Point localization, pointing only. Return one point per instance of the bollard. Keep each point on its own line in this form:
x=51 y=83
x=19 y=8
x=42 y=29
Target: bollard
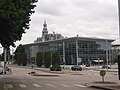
x=9 y=71
x=119 y=67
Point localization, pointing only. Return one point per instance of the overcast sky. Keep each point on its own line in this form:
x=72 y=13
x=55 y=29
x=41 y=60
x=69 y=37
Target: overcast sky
x=87 y=18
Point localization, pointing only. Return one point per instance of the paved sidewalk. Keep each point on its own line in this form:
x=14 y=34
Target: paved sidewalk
x=105 y=85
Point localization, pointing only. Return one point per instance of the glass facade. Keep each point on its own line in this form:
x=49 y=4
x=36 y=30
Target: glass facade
x=72 y=50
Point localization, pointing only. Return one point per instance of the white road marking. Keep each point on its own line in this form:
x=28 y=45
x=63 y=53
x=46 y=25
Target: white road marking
x=96 y=74
x=79 y=85
x=10 y=85
x=65 y=85
x=83 y=73
x=50 y=85
x=7 y=86
x=36 y=85
x=90 y=74
x=22 y=85
x=110 y=75
x=91 y=70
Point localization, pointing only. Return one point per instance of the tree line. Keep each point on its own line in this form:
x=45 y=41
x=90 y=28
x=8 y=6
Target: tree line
x=47 y=58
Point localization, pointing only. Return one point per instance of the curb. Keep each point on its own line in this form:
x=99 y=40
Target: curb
x=106 y=70
x=46 y=75
x=55 y=72
x=36 y=74
x=106 y=86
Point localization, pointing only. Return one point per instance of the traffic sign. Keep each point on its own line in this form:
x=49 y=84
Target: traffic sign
x=102 y=73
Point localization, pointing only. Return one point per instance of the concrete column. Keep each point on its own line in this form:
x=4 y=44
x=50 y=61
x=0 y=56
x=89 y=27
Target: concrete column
x=107 y=53
x=64 y=53
x=77 y=51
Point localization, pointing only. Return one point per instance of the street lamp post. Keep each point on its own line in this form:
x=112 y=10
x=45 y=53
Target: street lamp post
x=4 y=71
x=107 y=54
x=12 y=55
x=77 y=50
x=51 y=55
x=51 y=59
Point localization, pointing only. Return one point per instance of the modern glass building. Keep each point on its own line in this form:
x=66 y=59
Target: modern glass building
x=72 y=50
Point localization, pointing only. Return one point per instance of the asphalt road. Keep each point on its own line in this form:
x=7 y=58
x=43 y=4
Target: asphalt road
x=21 y=80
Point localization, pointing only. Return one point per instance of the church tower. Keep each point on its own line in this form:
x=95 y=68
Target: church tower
x=45 y=31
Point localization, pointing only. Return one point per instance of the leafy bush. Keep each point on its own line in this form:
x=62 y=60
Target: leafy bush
x=24 y=59
x=39 y=59
x=56 y=58
x=21 y=59
x=18 y=59
x=47 y=59
x=55 y=67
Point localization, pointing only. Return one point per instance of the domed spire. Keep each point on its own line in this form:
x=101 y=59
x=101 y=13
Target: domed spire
x=45 y=31
x=45 y=24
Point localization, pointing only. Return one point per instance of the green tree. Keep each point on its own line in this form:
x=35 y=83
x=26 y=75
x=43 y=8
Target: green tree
x=39 y=59
x=19 y=50
x=18 y=59
x=14 y=19
x=47 y=59
x=24 y=59
x=1 y=57
x=20 y=56
x=56 y=58
x=21 y=59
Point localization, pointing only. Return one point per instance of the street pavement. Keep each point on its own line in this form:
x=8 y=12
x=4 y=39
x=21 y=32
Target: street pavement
x=21 y=80
x=107 y=85
x=57 y=80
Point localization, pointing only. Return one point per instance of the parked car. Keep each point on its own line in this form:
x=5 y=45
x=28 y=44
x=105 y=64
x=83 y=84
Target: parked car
x=2 y=68
x=76 y=68
x=105 y=66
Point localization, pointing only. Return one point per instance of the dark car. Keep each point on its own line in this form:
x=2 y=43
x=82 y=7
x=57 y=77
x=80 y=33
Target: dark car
x=105 y=66
x=76 y=68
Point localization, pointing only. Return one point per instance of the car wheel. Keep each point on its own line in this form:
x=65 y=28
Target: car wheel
x=1 y=72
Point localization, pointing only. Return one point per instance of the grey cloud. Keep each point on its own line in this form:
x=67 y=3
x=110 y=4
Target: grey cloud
x=50 y=7
x=91 y=18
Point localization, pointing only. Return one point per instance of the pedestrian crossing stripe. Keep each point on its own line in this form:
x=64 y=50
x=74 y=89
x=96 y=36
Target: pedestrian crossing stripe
x=79 y=85
x=50 y=85
x=22 y=85
x=65 y=85
x=10 y=85
x=90 y=74
x=7 y=86
x=36 y=85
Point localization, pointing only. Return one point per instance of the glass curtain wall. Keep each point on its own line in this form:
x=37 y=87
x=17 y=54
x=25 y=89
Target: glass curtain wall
x=88 y=50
